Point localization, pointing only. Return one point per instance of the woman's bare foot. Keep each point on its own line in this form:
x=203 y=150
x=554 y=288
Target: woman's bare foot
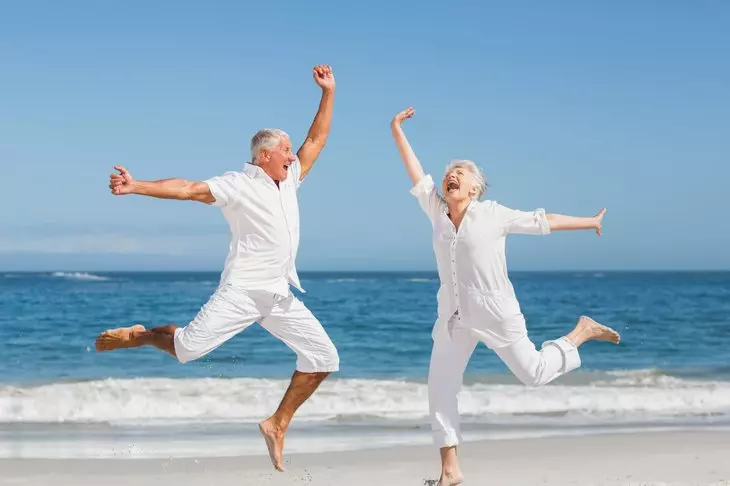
x=274 y=438
x=450 y=470
x=450 y=478
x=590 y=330
x=123 y=337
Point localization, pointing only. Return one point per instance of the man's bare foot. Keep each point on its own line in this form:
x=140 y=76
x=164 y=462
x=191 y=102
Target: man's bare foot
x=122 y=337
x=274 y=438
x=589 y=330
x=450 y=478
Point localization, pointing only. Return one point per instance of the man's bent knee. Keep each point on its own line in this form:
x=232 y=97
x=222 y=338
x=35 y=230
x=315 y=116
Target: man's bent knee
x=331 y=362
x=185 y=349
x=326 y=361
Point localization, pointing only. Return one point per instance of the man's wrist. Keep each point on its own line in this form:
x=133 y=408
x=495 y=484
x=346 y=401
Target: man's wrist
x=135 y=187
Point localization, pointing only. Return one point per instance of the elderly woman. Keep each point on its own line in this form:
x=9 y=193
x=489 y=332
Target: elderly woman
x=476 y=301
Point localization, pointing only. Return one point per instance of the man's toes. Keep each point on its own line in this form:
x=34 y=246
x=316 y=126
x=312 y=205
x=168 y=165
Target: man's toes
x=608 y=334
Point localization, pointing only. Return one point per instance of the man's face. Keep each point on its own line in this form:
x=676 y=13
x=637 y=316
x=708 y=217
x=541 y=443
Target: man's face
x=276 y=161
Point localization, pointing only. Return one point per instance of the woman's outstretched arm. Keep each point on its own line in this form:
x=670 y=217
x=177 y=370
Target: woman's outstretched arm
x=559 y=222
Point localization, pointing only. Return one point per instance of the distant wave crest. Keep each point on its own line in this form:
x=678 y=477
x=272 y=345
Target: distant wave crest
x=80 y=276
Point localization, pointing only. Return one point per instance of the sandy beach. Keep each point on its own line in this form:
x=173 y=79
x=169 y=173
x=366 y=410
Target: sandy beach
x=661 y=458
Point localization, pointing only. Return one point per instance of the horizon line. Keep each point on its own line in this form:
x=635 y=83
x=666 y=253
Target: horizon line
x=568 y=270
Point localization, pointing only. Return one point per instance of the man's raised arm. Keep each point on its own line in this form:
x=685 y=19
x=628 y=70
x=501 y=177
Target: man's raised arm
x=123 y=183
x=320 y=129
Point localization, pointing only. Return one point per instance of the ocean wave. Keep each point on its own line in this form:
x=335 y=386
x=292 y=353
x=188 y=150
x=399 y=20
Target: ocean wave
x=192 y=282
x=151 y=400
x=651 y=377
x=80 y=276
x=421 y=280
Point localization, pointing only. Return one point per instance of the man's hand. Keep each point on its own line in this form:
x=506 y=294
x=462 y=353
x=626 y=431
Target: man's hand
x=121 y=183
x=403 y=115
x=323 y=77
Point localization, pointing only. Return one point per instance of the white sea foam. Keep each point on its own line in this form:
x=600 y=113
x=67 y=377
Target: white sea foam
x=192 y=282
x=149 y=400
x=80 y=276
x=347 y=280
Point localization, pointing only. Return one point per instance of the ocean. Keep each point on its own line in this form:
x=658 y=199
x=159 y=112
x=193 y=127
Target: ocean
x=58 y=398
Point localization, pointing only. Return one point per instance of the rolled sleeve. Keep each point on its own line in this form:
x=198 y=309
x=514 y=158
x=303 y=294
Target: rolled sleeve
x=428 y=198
x=296 y=173
x=524 y=222
x=223 y=188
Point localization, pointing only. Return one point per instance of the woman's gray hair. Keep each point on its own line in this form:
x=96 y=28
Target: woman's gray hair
x=266 y=139
x=480 y=182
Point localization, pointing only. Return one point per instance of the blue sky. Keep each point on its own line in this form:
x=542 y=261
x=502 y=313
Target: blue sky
x=566 y=106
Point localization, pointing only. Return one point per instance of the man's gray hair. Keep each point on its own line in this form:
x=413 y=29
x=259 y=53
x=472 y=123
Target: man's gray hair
x=480 y=182
x=265 y=139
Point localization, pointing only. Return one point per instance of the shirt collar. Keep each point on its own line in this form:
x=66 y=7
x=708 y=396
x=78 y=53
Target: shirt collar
x=252 y=170
x=471 y=205
x=257 y=173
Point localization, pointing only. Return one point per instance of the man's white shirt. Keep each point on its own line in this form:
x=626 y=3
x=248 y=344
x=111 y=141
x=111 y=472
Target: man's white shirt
x=264 y=224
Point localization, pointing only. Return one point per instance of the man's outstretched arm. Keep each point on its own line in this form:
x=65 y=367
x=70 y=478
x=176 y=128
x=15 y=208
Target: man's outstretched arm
x=320 y=129
x=181 y=189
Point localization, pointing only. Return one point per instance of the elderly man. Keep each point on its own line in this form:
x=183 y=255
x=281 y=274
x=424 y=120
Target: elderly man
x=260 y=205
x=476 y=301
